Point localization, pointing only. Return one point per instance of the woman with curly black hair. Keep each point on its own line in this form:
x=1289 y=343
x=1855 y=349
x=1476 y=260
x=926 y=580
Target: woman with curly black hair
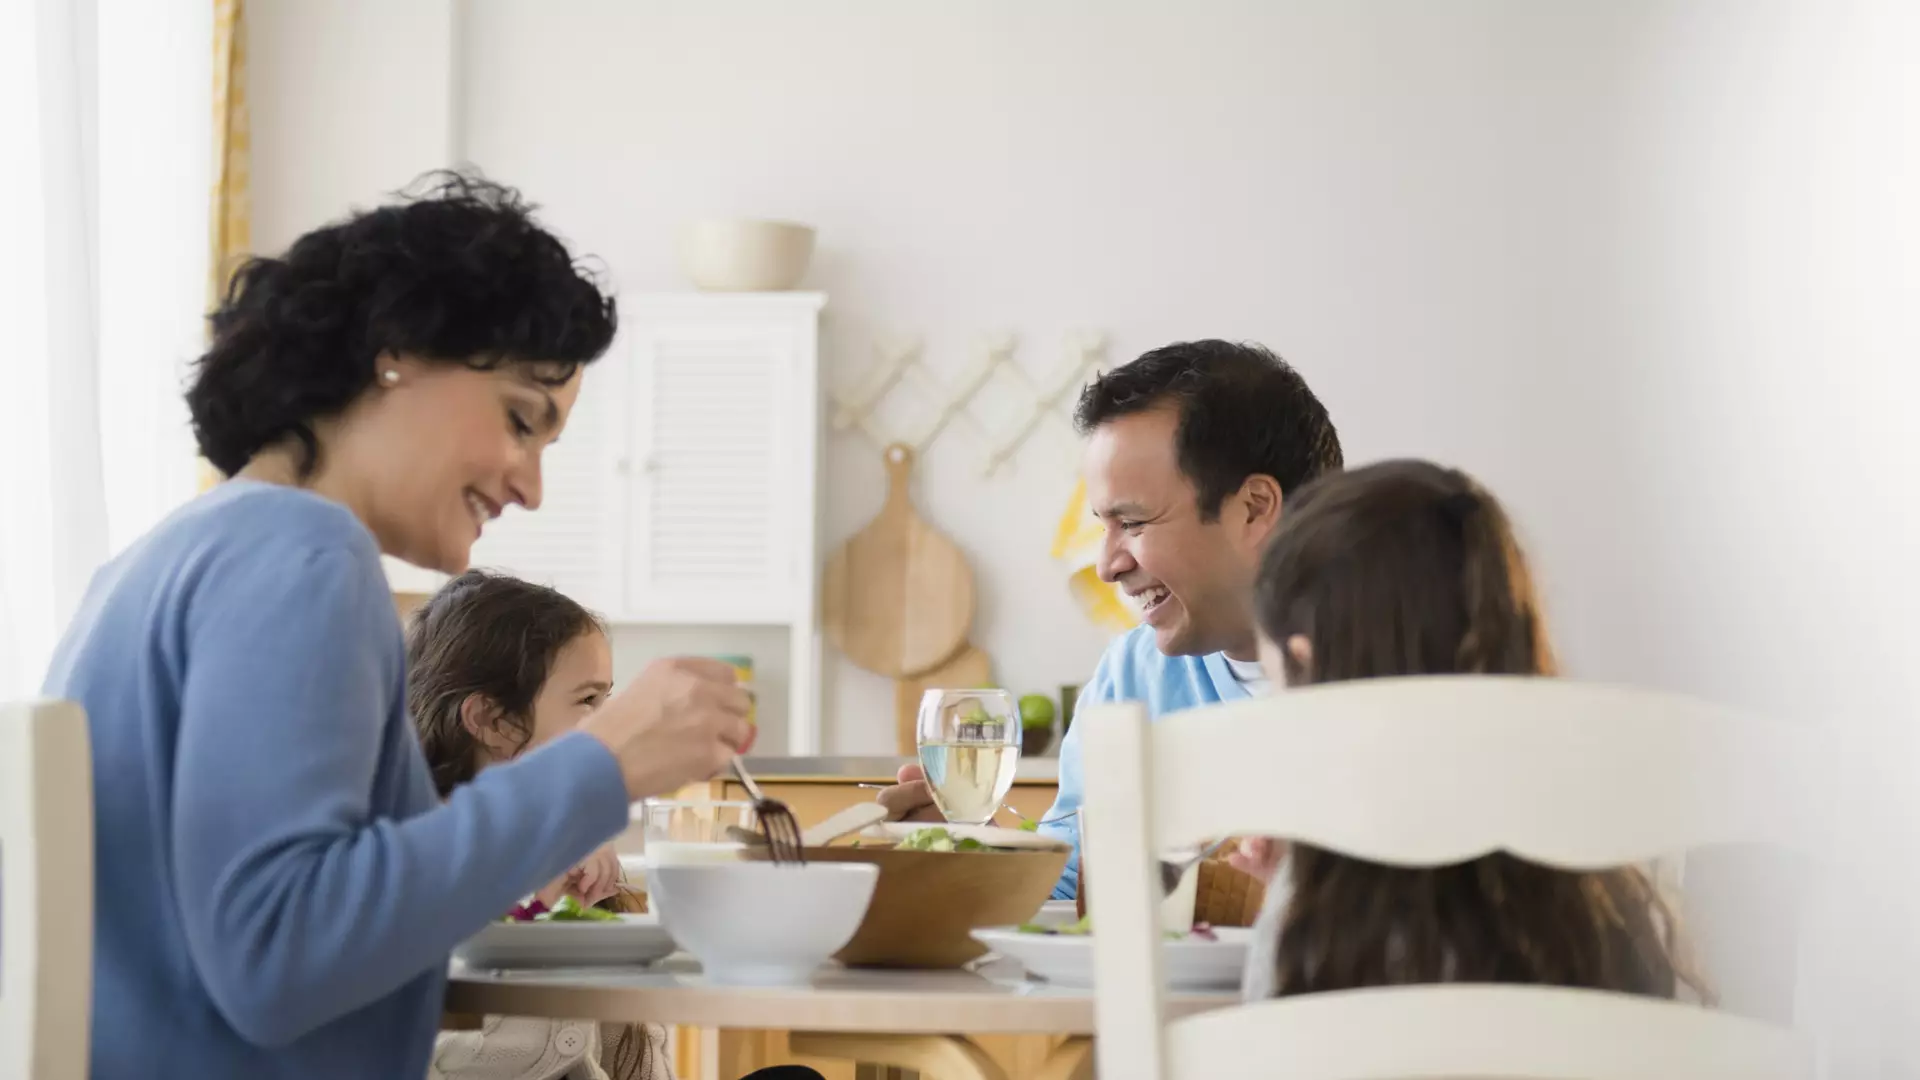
x=278 y=884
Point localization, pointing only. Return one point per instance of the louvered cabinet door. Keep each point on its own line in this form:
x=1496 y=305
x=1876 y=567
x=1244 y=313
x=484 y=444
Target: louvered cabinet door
x=572 y=542
x=722 y=450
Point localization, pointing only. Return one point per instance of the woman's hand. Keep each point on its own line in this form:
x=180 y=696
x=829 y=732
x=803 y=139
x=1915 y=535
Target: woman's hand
x=1259 y=856
x=682 y=720
x=596 y=878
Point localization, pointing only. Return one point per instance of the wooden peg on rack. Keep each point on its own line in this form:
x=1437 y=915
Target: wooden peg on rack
x=1084 y=348
x=896 y=357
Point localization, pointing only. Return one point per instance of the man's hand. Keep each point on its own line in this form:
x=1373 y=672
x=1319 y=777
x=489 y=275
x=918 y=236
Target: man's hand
x=910 y=799
x=1259 y=856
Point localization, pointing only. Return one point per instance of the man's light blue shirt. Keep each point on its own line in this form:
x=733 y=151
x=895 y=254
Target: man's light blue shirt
x=1133 y=669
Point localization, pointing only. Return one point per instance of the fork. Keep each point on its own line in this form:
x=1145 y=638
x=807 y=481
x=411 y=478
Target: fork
x=1171 y=873
x=1068 y=816
x=777 y=823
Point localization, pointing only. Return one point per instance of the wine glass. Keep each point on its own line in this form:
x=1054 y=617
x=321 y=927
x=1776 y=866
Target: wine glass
x=969 y=745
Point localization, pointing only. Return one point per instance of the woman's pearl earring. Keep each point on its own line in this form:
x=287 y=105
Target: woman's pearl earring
x=390 y=377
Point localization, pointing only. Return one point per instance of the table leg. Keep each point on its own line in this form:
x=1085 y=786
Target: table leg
x=730 y=1053
x=1071 y=1060
x=934 y=1057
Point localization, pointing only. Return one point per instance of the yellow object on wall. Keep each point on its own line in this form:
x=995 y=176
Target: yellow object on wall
x=230 y=226
x=1077 y=543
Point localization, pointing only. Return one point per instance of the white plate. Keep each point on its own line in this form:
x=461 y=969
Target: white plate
x=1190 y=964
x=635 y=939
x=990 y=835
x=1056 y=913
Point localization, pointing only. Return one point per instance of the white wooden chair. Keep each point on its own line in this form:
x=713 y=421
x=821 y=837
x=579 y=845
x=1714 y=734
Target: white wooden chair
x=1429 y=771
x=46 y=890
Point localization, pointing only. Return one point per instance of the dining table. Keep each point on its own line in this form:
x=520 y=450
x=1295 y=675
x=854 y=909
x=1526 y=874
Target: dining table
x=938 y=1023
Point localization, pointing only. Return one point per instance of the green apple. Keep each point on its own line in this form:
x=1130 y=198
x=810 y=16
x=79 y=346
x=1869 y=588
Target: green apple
x=1036 y=711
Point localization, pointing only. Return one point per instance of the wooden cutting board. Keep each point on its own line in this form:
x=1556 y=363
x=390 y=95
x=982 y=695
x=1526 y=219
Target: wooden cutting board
x=898 y=596
x=966 y=669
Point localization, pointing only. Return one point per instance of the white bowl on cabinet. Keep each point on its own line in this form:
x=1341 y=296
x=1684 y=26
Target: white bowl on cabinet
x=744 y=254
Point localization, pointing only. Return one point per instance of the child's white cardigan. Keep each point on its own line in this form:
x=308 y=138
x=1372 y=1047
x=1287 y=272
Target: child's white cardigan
x=529 y=1048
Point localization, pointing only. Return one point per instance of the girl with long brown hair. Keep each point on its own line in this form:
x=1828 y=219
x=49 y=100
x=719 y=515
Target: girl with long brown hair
x=497 y=666
x=1408 y=568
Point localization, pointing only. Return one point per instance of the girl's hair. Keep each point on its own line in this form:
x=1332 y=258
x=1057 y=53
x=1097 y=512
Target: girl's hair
x=490 y=635
x=498 y=637
x=1409 y=568
x=460 y=272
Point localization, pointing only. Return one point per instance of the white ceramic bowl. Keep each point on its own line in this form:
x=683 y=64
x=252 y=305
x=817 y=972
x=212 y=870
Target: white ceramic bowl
x=758 y=924
x=743 y=255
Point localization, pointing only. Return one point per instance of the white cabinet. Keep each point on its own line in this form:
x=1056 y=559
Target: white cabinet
x=720 y=458
x=684 y=490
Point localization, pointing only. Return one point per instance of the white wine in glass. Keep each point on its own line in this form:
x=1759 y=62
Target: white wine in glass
x=969 y=746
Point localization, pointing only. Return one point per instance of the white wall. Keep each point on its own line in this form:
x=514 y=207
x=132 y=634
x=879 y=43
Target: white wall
x=1768 y=298
x=1365 y=192
x=350 y=100
x=1399 y=200
x=1633 y=263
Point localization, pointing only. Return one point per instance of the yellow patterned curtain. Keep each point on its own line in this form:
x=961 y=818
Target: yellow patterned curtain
x=230 y=226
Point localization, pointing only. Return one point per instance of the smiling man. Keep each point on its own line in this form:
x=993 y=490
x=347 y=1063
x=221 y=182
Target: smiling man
x=1191 y=451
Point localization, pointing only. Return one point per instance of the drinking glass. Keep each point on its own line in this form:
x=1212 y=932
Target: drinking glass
x=680 y=831
x=970 y=745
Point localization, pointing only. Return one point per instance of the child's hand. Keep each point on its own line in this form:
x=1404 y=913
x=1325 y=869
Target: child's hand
x=596 y=878
x=1259 y=856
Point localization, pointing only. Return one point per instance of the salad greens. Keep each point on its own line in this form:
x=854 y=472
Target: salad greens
x=936 y=838
x=567 y=909
x=570 y=909
x=1078 y=928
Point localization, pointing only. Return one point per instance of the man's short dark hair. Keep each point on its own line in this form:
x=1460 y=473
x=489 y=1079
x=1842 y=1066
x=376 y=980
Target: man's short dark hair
x=1243 y=411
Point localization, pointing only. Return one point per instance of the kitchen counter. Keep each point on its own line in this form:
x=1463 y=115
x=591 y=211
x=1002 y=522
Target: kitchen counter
x=873 y=769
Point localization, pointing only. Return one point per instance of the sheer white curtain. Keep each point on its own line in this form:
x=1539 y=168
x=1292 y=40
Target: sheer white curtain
x=104 y=108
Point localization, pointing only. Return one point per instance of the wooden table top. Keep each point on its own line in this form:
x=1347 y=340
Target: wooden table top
x=994 y=997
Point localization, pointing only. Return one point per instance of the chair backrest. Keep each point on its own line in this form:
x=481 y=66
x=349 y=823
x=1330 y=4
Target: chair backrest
x=1421 y=772
x=1480 y=1031
x=46 y=890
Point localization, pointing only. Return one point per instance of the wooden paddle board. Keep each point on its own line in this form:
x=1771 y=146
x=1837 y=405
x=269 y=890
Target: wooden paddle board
x=897 y=597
